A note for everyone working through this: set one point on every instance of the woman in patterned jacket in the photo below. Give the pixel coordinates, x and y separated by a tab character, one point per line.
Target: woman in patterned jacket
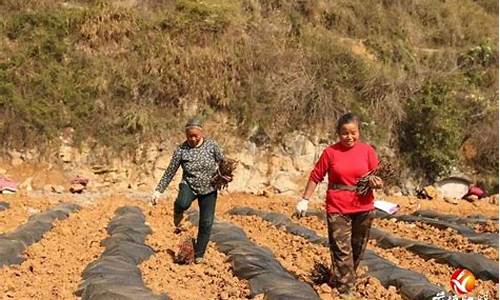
199	158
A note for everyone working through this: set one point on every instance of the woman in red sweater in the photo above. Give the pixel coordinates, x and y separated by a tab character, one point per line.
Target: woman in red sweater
349	215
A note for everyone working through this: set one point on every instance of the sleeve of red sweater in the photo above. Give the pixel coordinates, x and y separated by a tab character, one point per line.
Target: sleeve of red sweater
372	158
321	167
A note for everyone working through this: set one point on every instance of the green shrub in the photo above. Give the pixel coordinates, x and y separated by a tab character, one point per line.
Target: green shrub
432	132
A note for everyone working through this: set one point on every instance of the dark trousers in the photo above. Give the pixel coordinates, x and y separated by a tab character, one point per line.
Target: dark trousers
348	236
206	203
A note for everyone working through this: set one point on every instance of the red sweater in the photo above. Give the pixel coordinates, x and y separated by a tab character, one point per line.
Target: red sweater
345	166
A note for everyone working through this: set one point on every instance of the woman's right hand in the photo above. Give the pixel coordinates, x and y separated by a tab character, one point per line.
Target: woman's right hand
301	207
375	182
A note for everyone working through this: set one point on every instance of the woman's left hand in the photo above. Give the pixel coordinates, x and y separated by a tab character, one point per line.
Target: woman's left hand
375	182
227	178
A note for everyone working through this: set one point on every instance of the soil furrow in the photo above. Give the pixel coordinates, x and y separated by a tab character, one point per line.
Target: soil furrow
53	266
213	279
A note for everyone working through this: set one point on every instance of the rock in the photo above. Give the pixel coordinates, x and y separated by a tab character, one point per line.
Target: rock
248	180
394	191
408	188
66	153
224	296
47	188
16	162
161	164
27	184
58	189
247	156
302	150
279	163
450	200
32	211
455	187
325	288
433	192
31	155
76	188
152	154
493	199
471	198
100	169
268	192
287	183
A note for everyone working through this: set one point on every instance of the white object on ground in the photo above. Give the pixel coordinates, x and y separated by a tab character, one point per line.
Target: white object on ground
7	192
453	187
388	207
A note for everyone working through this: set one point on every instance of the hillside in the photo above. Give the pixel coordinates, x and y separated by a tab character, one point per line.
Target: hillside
422	74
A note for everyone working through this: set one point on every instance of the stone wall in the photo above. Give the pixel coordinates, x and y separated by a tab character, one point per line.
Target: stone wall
281	170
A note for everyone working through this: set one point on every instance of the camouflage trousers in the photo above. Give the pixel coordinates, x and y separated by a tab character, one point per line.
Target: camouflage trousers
348	236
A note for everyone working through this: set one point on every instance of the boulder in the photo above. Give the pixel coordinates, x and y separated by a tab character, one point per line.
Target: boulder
453	187
66	153
287	183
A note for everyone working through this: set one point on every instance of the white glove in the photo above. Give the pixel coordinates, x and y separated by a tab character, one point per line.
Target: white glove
301	208
155	197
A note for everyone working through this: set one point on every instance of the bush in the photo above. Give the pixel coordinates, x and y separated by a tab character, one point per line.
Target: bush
432	133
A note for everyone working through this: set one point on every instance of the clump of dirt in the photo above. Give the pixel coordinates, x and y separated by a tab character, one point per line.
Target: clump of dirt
488	227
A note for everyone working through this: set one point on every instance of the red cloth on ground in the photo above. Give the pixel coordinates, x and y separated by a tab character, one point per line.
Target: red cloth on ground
345	166
475	190
7	184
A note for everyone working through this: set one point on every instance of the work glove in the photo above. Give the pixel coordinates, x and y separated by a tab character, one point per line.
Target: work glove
301	208
154	198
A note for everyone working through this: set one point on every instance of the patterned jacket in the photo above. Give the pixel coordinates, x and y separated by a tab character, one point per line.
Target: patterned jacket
198	164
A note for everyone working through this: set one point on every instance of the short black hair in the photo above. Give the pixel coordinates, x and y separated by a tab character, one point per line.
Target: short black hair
347	118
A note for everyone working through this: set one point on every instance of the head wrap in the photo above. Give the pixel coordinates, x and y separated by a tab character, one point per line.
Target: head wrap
194	122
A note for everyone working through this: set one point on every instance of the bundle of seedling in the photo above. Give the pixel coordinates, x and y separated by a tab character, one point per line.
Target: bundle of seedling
224	173
384	170
185	254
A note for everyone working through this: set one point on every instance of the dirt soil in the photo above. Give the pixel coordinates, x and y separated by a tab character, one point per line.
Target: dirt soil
447	239
53	266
